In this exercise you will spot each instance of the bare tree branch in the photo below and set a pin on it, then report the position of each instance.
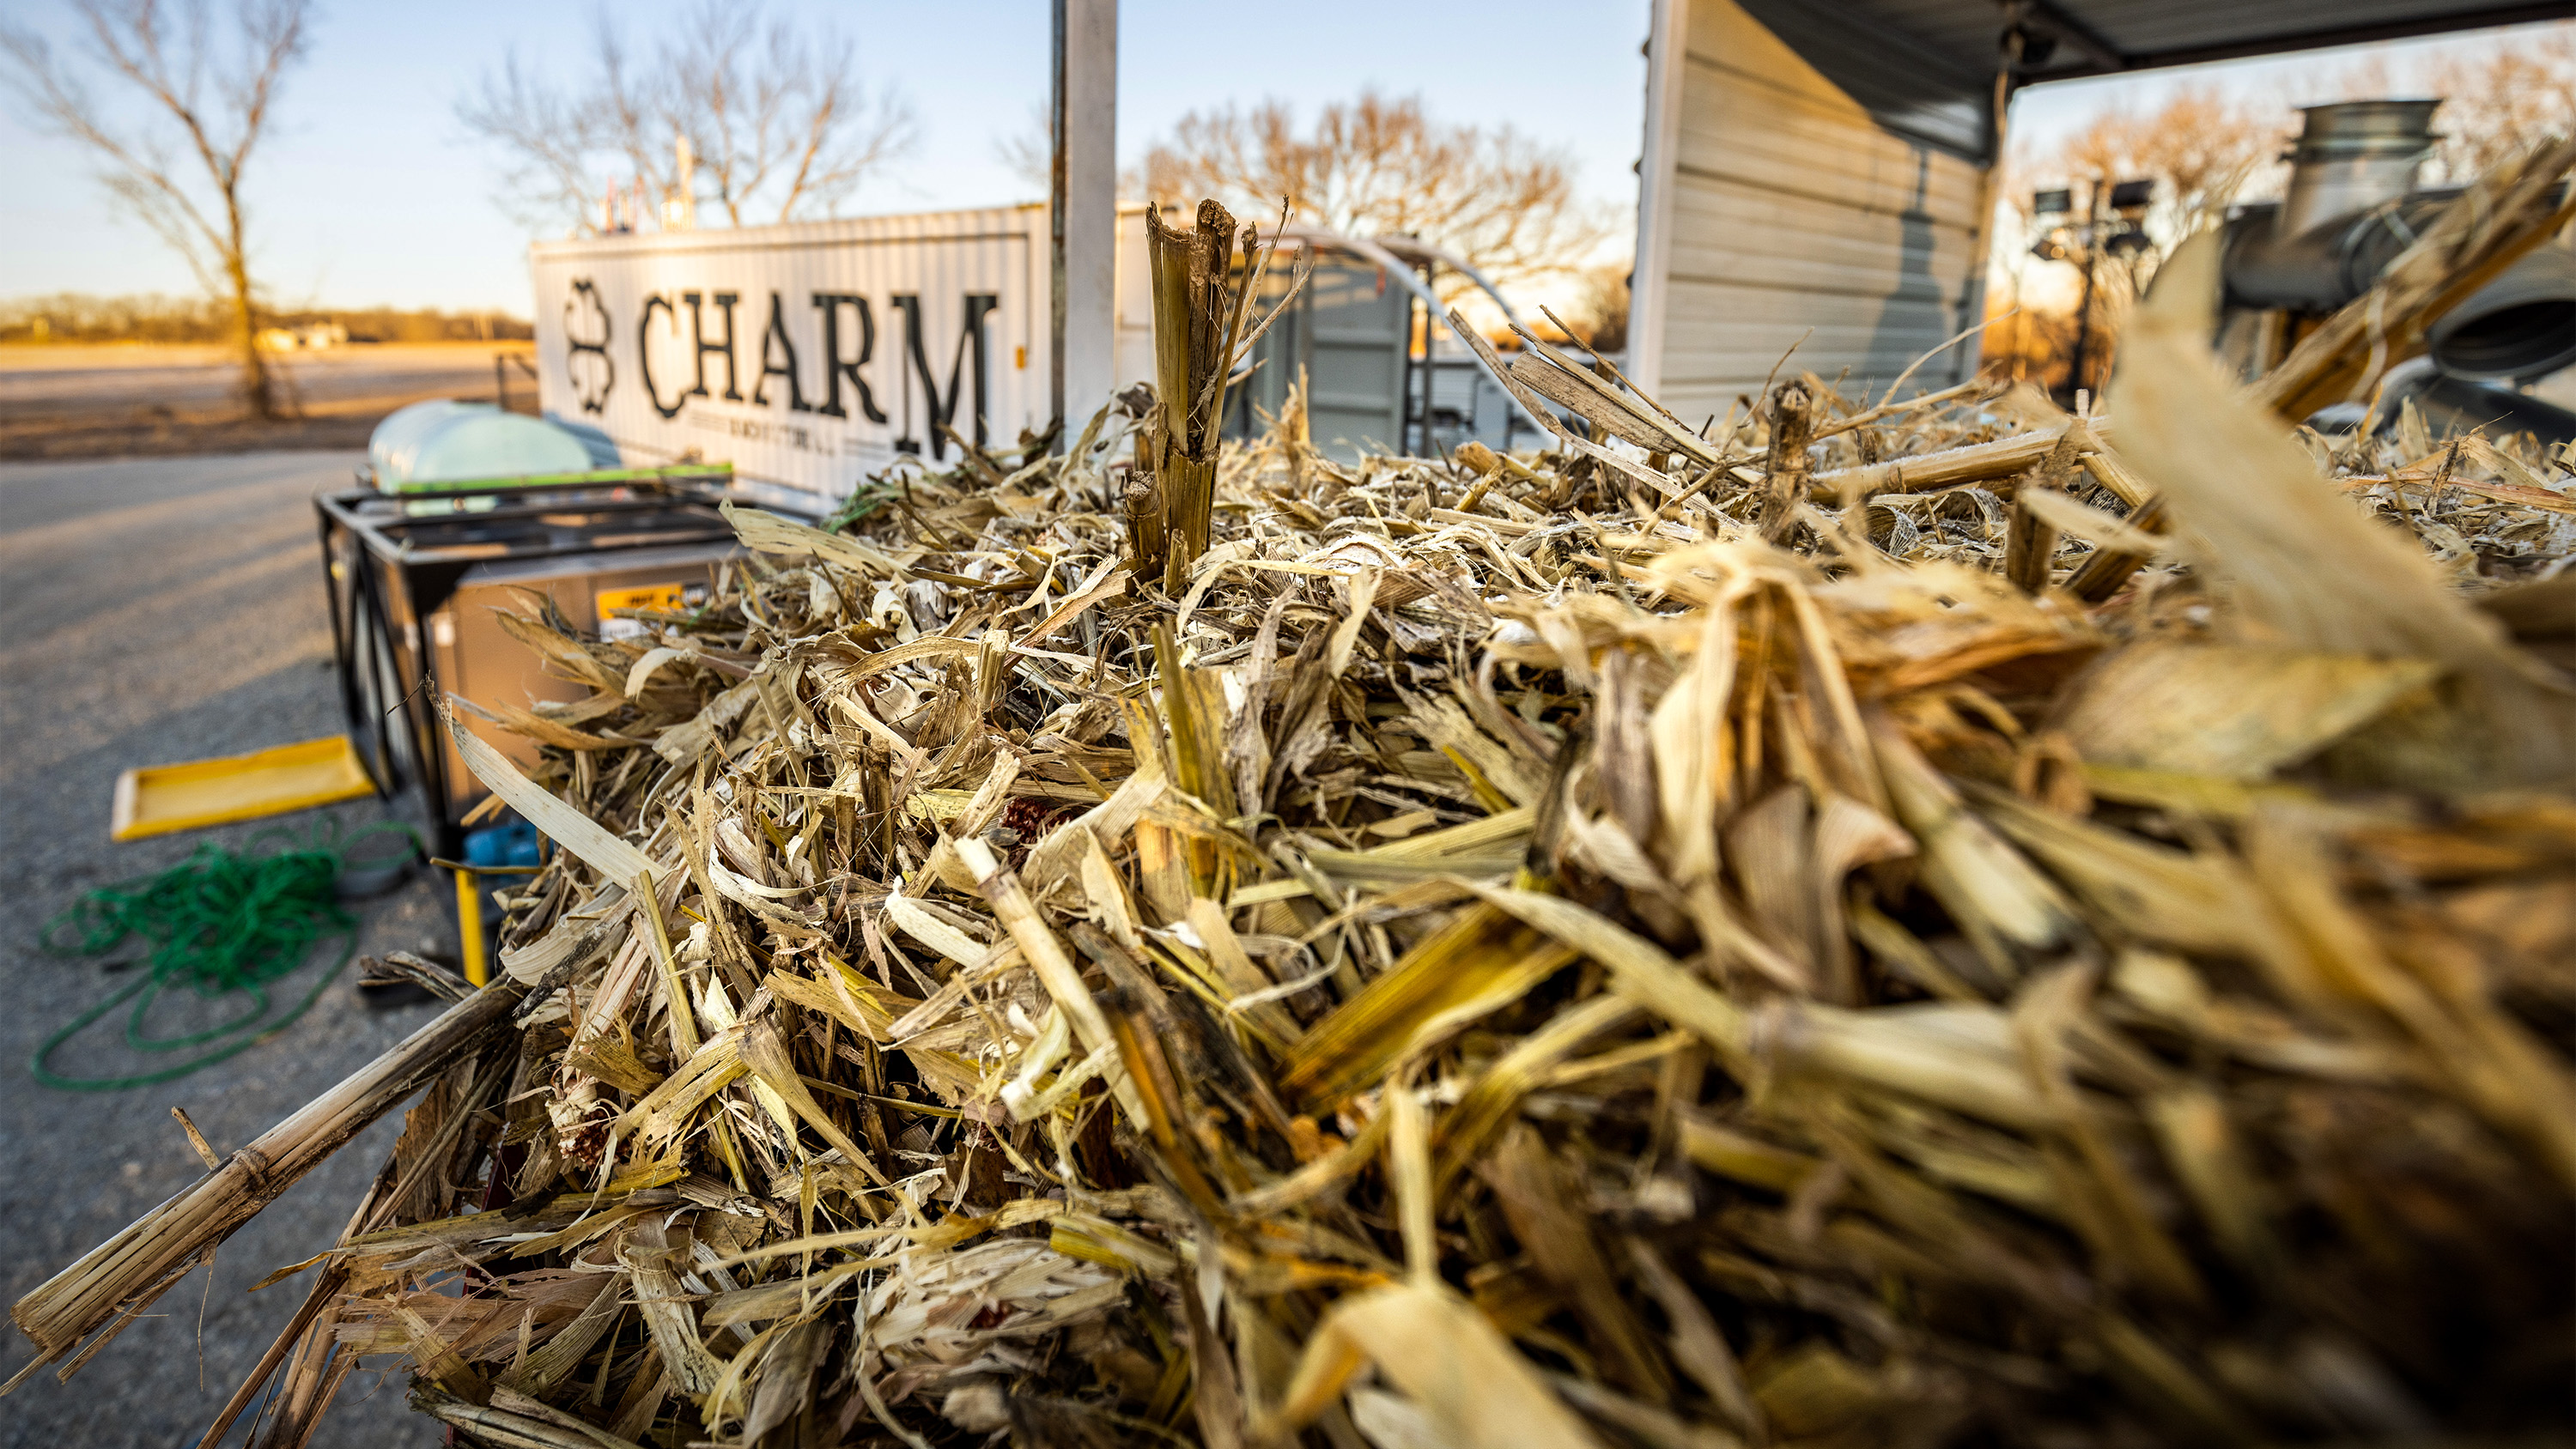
(1378, 166)
(777, 123)
(547, 174)
(1031, 153)
(164, 54)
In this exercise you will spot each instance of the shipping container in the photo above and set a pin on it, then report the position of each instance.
(812, 354)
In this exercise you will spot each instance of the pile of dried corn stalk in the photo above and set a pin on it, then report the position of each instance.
(1890, 926)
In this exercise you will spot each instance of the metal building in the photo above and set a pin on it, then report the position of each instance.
(1818, 173)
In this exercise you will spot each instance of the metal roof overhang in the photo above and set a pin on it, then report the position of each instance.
(1926, 68)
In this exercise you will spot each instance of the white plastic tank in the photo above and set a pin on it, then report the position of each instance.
(459, 442)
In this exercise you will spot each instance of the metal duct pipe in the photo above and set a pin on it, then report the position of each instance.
(2352, 209)
(2457, 405)
(2353, 156)
(2322, 268)
(2520, 326)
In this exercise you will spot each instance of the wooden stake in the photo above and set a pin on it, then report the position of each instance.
(124, 1274)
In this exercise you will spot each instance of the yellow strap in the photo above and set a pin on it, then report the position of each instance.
(469, 924)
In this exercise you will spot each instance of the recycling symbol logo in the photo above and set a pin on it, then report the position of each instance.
(587, 363)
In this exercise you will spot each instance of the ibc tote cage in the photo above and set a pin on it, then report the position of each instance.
(396, 565)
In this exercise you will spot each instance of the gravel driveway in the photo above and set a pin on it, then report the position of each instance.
(153, 611)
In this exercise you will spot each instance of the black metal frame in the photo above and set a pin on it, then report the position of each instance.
(502, 362)
(379, 553)
(1415, 427)
(2101, 57)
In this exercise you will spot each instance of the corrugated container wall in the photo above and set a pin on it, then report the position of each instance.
(812, 354)
(1778, 213)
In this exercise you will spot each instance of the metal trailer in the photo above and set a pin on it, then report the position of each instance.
(415, 580)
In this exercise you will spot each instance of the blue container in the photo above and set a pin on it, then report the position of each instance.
(503, 845)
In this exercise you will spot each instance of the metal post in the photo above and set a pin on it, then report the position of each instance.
(1649, 292)
(1404, 387)
(1430, 370)
(1971, 357)
(1082, 213)
(2084, 309)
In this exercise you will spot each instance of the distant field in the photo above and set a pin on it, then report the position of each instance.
(76, 401)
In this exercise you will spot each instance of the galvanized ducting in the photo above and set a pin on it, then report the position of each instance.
(2353, 156)
(2520, 326)
(2352, 209)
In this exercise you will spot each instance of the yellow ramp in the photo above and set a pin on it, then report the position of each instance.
(158, 799)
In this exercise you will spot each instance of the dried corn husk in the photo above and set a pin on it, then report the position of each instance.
(1573, 949)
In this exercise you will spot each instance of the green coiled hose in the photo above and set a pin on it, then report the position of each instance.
(219, 923)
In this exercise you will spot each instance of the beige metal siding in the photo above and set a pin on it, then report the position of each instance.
(1792, 214)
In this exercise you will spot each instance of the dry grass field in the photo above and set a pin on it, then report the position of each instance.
(84, 401)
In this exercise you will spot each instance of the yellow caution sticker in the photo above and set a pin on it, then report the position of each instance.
(610, 606)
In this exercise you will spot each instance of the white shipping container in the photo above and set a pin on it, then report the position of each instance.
(813, 354)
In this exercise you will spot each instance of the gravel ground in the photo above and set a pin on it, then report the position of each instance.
(153, 611)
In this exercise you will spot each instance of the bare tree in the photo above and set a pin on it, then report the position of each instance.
(777, 124)
(1031, 153)
(2505, 103)
(551, 142)
(2202, 149)
(208, 86)
(1378, 166)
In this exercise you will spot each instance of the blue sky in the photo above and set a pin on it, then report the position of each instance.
(369, 191)
(372, 193)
